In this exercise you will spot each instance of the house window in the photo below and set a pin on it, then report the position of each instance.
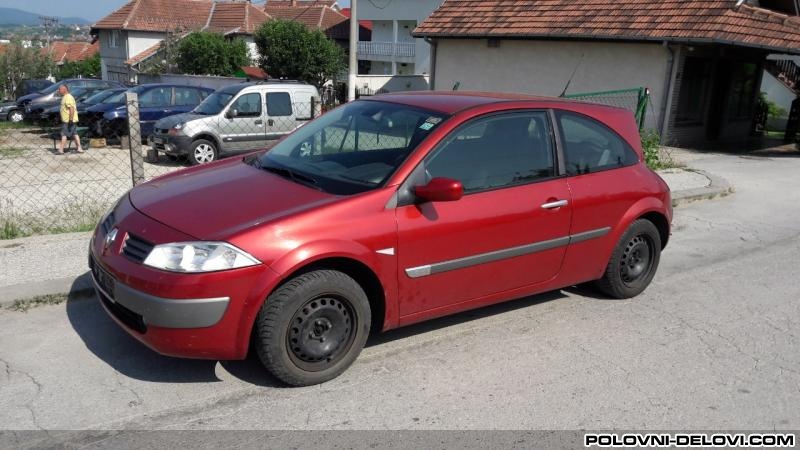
(113, 39)
(742, 97)
(695, 85)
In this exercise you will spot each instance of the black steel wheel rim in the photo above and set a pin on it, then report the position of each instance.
(321, 332)
(637, 259)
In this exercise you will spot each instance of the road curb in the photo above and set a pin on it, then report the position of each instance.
(717, 187)
(80, 286)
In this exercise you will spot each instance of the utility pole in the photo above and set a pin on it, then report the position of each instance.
(351, 78)
(48, 23)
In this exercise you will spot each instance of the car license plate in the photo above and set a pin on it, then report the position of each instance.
(104, 279)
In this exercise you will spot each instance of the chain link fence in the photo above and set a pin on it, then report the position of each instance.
(635, 100)
(42, 191)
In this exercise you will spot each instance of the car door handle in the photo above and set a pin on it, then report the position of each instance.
(270, 122)
(259, 122)
(555, 204)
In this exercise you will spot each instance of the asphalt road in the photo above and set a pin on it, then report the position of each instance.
(712, 344)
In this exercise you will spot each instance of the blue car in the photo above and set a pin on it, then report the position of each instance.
(109, 119)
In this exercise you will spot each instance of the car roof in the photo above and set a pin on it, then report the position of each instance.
(451, 102)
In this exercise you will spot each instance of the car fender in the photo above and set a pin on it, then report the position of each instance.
(641, 207)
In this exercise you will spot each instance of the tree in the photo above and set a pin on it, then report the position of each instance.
(291, 50)
(204, 53)
(87, 68)
(20, 63)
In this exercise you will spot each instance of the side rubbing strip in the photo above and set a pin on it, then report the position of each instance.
(483, 258)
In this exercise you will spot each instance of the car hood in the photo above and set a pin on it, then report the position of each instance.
(27, 98)
(103, 107)
(217, 201)
(171, 121)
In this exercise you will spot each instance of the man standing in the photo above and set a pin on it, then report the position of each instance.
(69, 119)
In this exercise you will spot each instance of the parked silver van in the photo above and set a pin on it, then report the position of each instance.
(236, 118)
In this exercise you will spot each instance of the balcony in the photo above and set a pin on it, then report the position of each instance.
(386, 50)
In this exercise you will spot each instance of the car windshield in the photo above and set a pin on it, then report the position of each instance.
(99, 97)
(352, 149)
(52, 88)
(117, 98)
(214, 103)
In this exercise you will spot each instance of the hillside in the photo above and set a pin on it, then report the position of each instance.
(12, 16)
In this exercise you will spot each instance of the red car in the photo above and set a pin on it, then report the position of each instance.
(381, 213)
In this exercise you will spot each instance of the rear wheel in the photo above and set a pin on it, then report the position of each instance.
(634, 261)
(313, 327)
(202, 152)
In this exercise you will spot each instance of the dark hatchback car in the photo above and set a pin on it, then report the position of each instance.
(10, 111)
(52, 115)
(156, 101)
(381, 213)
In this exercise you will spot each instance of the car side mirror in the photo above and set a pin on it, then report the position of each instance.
(231, 113)
(440, 189)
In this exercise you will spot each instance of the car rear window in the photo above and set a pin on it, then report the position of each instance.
(590, 146)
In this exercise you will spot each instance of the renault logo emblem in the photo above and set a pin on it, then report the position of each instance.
(110, 237)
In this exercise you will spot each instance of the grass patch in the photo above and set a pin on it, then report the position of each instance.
(25, 304)
(5, 125)
(69, 218)
(655, 156)
(11, 152)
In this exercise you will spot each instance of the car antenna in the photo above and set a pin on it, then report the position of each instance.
(577, 66)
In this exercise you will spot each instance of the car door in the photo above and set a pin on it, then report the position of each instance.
(281, 118)
(154, 104)
(245, 129)
(509, 230)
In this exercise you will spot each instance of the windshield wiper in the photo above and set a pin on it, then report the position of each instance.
(288, 173)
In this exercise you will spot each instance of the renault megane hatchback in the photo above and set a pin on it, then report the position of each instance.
(381, 213)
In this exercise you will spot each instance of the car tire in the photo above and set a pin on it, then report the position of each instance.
(634, 262)
(296, 319)
(15, 116)
(202, 152)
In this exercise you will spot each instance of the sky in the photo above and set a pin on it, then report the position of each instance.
(91, 10)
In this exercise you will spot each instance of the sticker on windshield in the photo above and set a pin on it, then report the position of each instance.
(426, 126)
(433, 120)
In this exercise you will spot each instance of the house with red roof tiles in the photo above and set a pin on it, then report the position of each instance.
(702, 60)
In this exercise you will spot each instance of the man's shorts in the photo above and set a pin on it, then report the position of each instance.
(68, 130)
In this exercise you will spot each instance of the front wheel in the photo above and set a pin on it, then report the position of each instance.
(634, 261)
(15, 116)
(313, 327)
(202, 152)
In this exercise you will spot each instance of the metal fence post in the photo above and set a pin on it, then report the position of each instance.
(135, 138)
(316, 107)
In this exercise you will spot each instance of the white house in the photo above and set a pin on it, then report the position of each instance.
(393, 50)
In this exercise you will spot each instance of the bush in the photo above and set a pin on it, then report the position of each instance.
(204, 53)
(291, 50)
(651, 145)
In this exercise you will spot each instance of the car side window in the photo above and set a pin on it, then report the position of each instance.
(590, 146)
(496, 151)
(186, 97)
(156, 98)
(248, 105)
(279, 104)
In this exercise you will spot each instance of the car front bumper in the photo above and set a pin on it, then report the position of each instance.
(172, 145)
(202, 315)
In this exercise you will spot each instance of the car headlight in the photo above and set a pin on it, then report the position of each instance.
(176, 129)
(195, 257)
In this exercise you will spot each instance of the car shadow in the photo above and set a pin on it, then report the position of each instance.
(111, 344)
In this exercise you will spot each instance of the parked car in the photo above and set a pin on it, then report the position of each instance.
(52, 115)
(9, 110)
(35, 113)
(236, 118)
(156, 101)
(49, 95)
(384, 212)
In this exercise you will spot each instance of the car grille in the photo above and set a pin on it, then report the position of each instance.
(161, 130)
(136, 248)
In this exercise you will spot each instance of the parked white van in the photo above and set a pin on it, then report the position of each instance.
(241, 117)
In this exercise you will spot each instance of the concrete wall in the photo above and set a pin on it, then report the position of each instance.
(191, 80)
(139, 41)
(543, 68)
(409, 11)
(395, 83)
